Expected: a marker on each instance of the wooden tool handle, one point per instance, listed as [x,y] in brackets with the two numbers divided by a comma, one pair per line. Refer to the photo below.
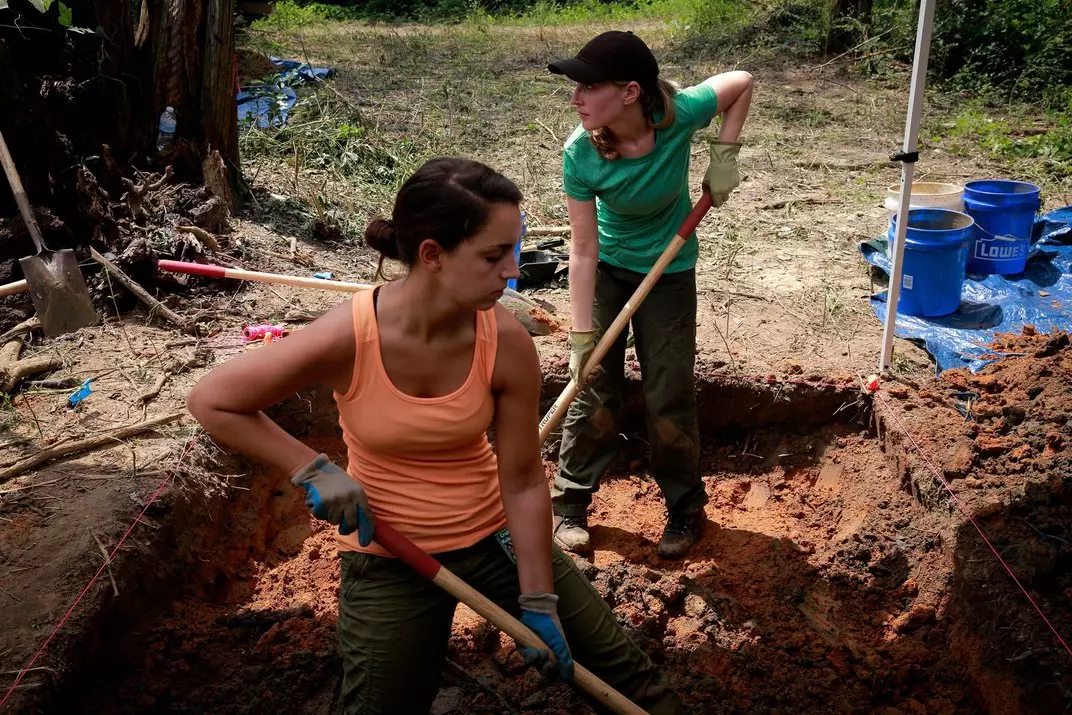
[424,564]
[209,271]
[13,288]
[20,195]
[558,410]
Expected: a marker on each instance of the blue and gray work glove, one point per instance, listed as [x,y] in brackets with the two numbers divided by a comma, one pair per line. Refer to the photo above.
[334,496]
[539,611]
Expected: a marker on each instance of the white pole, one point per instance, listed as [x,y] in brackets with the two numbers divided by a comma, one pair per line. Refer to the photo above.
[908,172]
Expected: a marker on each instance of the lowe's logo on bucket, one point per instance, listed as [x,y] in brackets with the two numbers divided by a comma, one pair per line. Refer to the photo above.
[1000,247]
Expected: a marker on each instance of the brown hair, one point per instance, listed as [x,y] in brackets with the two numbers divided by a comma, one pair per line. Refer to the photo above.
[652,103]
[446,200]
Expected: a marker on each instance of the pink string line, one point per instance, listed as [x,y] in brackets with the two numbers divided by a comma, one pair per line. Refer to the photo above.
[159,490]
[964,511]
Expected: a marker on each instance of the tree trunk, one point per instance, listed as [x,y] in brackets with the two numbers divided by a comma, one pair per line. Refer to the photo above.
[220,116]
[195,74]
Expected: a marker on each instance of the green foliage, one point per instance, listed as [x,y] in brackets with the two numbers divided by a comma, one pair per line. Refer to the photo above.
[1049,149]
[523,12]
[330,137]
[1021,48]
[289,15]
[728,28]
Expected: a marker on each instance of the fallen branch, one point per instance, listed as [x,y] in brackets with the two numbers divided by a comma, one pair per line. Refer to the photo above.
[201,235]
[23,328]
[154,391]
[547,231]
[859,166]
[155,306]
[107,563]
[783,204]
[738,294]
[59,383]
[549,131]
[13,371]
[168,174]
[70,448]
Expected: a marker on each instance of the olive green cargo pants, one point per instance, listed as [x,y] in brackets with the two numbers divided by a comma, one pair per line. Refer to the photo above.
[664,330]
[394,626]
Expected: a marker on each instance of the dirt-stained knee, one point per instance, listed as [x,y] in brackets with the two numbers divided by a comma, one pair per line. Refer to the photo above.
[603,422]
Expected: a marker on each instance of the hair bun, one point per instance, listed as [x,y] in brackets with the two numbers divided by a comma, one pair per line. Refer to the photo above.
[380,236]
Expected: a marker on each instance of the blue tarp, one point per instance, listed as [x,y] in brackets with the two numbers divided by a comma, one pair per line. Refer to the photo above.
[1041,296]
[268,103]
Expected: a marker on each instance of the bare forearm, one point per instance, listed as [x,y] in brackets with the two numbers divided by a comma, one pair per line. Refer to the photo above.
[733,120]
[528,515]
[582,289]
[257,437]
[734,93]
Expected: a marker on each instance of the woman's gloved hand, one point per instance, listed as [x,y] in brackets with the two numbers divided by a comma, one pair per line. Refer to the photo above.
[334,496]
[722,175]
[582,343]
[539,611]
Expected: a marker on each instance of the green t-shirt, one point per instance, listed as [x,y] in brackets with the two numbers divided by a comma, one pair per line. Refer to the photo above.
[641,202]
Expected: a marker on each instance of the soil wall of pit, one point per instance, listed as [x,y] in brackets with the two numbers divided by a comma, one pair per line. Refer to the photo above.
[204,547]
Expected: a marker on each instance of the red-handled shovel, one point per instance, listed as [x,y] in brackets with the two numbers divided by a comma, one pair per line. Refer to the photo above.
[421,562]
[551,419]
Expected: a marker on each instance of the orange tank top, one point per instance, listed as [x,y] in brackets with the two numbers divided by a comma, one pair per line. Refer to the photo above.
[425,463]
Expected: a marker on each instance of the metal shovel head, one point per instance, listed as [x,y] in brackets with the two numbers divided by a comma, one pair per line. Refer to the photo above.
[59,292]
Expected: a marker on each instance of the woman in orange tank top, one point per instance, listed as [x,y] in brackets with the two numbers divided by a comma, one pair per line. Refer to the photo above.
[421,368]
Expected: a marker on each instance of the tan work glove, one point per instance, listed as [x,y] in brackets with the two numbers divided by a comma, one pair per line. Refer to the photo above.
[722,176]
[582,343]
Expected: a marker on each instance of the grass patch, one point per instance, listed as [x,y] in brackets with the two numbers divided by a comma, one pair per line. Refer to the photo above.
[1044,149]
[290,14]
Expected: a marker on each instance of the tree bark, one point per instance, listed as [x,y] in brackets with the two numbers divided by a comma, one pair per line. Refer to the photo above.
[218,89]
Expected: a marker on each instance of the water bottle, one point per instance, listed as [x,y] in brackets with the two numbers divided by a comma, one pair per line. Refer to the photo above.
[168,122]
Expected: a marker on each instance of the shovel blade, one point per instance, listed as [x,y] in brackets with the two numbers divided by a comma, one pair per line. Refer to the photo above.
[58,291]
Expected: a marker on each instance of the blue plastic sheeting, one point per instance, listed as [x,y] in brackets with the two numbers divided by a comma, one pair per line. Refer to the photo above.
[302,69]
[990,304]
[268,103]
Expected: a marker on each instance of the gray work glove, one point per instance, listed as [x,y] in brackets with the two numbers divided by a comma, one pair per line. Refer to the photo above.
[722,175]
[334,496]
[539,611]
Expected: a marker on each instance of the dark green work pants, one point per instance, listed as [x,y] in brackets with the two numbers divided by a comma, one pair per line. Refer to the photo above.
[664,330]
[394,626]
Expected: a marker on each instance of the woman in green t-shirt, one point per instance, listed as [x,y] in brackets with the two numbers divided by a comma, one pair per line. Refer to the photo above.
[625,173]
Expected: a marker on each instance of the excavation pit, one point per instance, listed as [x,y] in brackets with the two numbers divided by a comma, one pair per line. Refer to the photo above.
[823,583]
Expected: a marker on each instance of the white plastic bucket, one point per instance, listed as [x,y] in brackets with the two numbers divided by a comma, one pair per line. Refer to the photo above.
[927,195]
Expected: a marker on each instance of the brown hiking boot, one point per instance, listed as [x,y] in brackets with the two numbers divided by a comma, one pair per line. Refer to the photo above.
[681,534]
[571,534]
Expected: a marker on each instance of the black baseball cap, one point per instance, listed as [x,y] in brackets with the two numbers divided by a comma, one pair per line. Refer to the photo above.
[614,56]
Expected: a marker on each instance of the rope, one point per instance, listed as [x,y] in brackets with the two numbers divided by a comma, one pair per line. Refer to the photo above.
[156,494]
[964,510]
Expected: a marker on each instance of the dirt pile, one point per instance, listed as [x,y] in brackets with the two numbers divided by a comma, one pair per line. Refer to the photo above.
[1005,452]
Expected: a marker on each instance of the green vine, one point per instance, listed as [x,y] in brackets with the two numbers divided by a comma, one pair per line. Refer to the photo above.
[65,17]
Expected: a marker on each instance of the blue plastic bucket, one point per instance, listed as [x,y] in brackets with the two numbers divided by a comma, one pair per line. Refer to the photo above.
[511,283]
[935,256]
[1004,213]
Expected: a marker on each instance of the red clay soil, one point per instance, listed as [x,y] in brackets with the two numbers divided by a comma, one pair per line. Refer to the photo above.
[1011,468]
[834,576]
[795,600]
